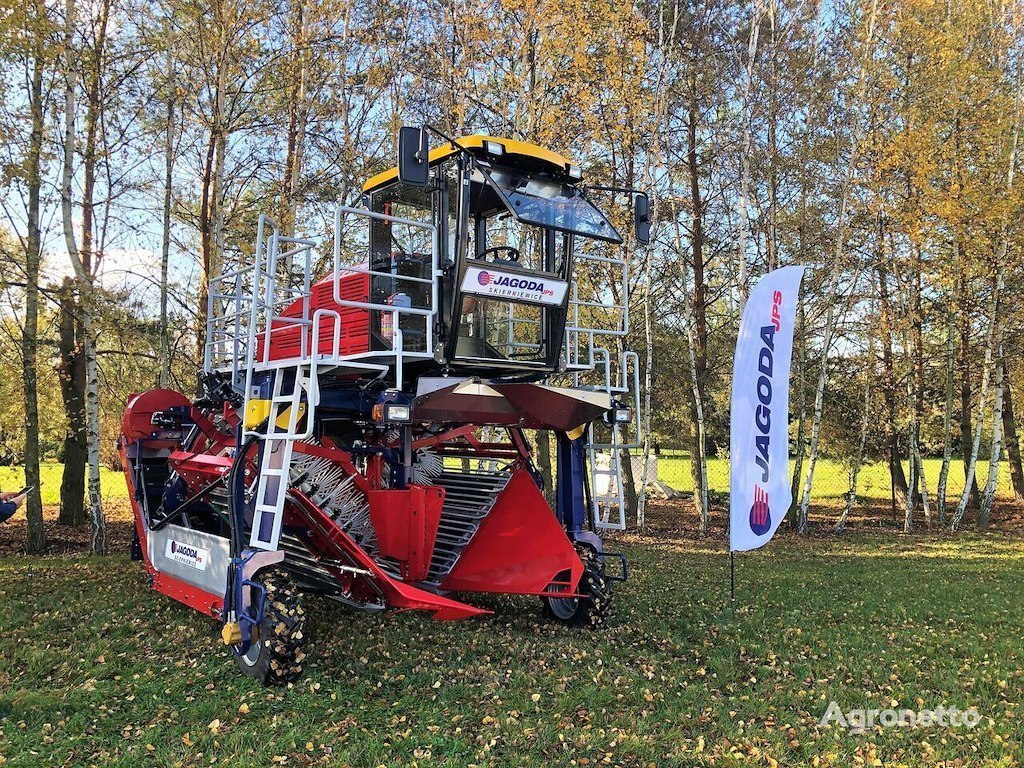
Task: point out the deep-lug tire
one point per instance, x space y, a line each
276 656
591 610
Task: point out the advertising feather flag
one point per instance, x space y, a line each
759 488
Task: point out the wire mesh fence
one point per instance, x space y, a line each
831 481
51 474
832 477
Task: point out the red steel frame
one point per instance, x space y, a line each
520 548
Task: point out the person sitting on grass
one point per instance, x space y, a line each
9 503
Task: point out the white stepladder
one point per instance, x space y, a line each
583 355
608 504
286 409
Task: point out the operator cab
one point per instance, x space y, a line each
507 216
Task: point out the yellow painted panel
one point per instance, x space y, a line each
476 141
256 412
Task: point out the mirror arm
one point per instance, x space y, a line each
445 137
619 190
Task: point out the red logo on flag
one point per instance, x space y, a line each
760 514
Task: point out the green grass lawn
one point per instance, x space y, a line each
112 484
831 480
96 669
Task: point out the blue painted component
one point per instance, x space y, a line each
246 622
591 539
394 396
348 400
175 494
571 506
244 618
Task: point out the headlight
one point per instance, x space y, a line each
392 413
494 148
620 415
395 413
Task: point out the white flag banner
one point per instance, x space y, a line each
759 491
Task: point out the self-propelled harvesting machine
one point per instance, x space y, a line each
360 426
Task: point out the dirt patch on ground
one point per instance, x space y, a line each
67 540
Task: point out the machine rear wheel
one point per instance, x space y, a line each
275 656
594 607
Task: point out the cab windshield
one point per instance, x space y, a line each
540 199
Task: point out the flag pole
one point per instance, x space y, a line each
732 577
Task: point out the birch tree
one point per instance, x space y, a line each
947 425
170 102
84 260
864 57
37 28
988 496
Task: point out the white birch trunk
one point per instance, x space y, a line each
819 396
666 39
908 513
1004 245
986 375
67 167
923 481
755 29
989 494
165 251
851 494
98 541
220 154
947 425
819 405
84 282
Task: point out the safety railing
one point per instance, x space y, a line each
250 307
228 301
590 319
395 311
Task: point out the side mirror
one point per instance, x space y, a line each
642 218
413 161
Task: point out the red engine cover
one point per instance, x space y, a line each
286 338
137 422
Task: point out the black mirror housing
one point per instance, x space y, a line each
413 160
642 218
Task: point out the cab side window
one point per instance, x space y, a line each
400 255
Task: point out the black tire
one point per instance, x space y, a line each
276 655
593 609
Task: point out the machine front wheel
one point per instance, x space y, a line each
276 654
594 607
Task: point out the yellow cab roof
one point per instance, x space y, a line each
476 141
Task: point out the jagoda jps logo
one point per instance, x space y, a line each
509 281
186 554
760 512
